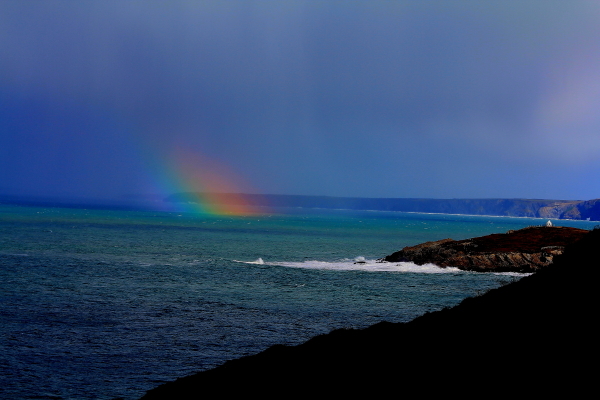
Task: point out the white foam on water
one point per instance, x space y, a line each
358 264
516 274
257 261
362 264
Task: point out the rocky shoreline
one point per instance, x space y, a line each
523 250
534 336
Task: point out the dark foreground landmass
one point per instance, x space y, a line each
534 337
533 208
523 250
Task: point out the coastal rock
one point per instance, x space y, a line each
524 250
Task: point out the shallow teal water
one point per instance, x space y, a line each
98 304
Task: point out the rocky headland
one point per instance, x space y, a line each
523 250
532 337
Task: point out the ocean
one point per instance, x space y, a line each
105 304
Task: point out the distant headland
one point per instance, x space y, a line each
532 208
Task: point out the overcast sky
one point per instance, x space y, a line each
443 99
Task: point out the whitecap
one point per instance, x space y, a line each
257 261
362 264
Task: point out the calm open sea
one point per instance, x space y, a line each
98 304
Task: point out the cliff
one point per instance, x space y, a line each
550 209
533 337
524 250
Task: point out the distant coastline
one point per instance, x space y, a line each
528 208
520 208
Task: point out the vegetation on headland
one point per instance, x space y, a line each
534 336
551 209
523 250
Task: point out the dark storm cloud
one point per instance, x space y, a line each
408 98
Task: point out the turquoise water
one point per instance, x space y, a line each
99 304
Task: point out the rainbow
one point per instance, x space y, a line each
211 187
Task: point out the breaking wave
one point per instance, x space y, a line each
362 264
257 261
359 264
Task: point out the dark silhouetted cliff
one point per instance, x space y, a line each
533 337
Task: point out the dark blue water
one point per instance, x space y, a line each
101 304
